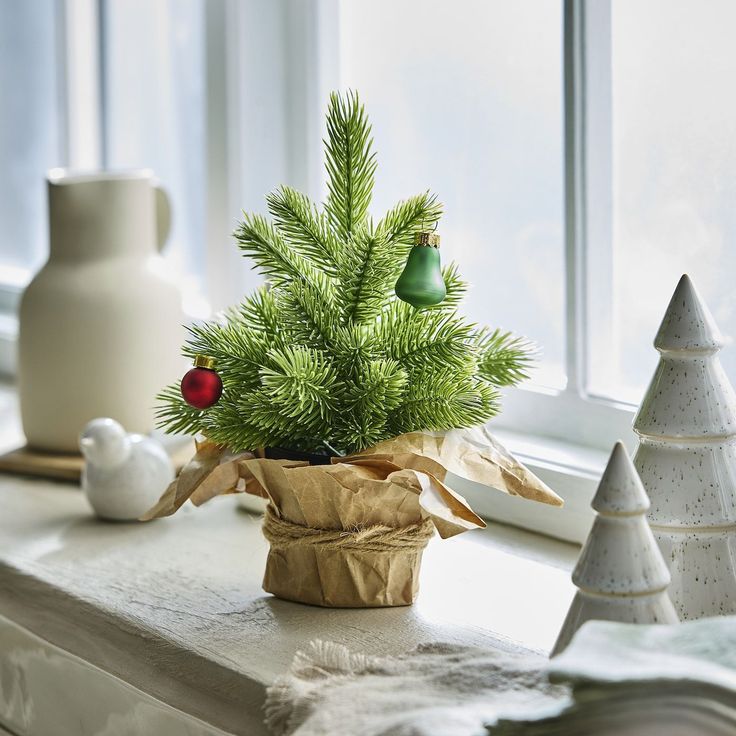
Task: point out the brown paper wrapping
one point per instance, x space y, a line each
473 454
398 483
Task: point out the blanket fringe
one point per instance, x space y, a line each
289 698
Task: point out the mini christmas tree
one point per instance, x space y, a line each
621 575
326 355
687 458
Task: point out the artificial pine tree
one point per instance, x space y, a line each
620 574
687 458
325 355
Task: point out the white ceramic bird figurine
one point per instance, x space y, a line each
124 474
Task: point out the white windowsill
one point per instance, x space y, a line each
570 470
175 609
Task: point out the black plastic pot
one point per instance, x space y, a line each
283 453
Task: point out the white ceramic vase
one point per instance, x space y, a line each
100 326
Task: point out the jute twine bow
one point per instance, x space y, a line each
282 534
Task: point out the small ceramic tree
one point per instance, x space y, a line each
687 458
620 575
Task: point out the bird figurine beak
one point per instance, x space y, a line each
85 443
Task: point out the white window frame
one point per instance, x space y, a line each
565 435
574 414
78 75
562 435
577 427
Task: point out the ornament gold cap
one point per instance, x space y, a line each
427 239
204 361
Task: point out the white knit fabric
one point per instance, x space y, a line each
437 689
613 680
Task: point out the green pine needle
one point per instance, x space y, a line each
273 256
326 353
350 164
173 413
367 276
304 228
410 216
428 338
505 359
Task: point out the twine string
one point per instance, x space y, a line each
283 534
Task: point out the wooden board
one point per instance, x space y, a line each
63 466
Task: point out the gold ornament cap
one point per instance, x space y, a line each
204 361
427 239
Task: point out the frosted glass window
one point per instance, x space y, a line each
154 103
674 181
466 100
29 128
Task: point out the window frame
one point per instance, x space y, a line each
571 430
575 414
80 105
572 414
245 98
565 435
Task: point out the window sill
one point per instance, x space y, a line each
170 615
174 608
573 471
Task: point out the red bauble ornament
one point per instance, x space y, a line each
201 387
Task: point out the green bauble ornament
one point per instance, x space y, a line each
421 283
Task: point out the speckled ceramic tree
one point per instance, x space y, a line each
687 458
620 575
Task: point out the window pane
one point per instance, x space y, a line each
674 139
466 99
154 63
29 125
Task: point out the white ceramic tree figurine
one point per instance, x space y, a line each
620 575
687 458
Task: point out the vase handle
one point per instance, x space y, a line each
163 215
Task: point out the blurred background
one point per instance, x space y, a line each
575 196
